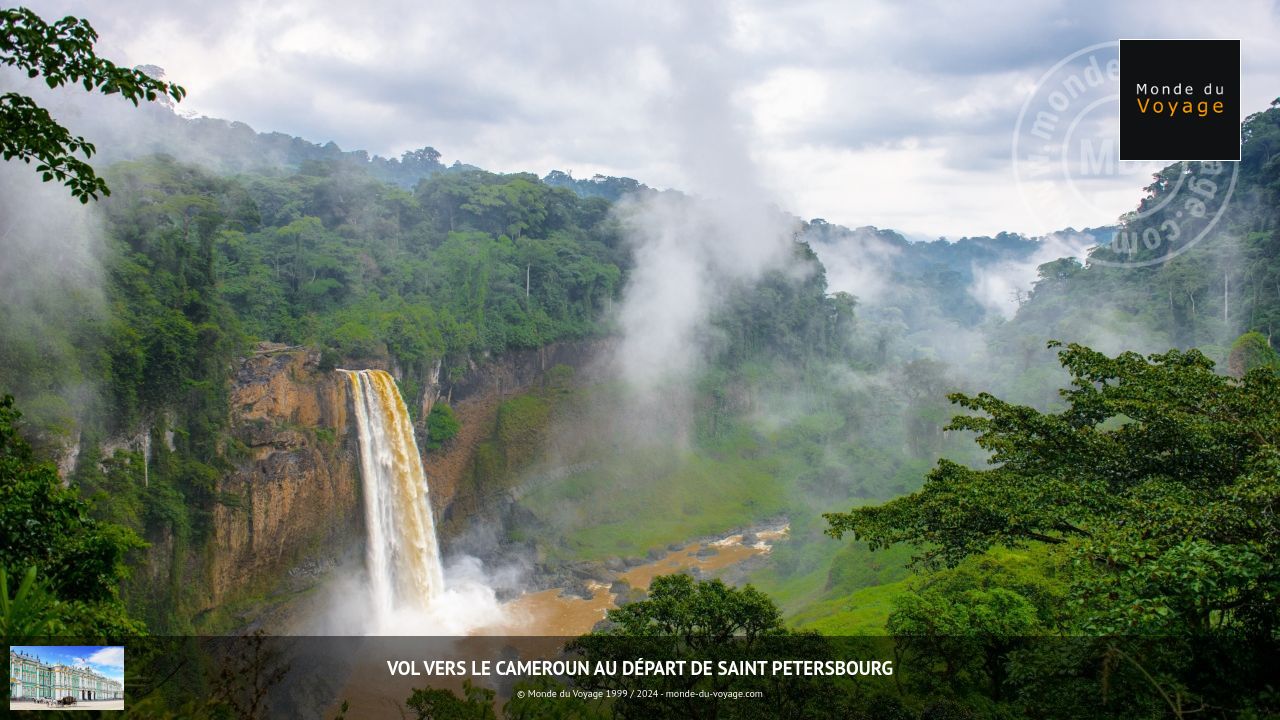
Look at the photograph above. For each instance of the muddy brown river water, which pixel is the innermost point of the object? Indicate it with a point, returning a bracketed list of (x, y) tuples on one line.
[(552, 613)]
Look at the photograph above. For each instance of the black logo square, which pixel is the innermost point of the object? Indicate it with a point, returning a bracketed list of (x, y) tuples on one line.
[(1179, 100)]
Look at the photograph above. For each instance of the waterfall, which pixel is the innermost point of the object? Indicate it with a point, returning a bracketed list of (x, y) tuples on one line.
[(403, 557)]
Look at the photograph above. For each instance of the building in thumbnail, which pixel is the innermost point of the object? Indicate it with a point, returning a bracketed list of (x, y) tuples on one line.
[(30, 678)]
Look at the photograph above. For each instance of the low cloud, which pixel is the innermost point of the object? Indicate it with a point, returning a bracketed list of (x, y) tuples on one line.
[(1000, 286), (859, 263)]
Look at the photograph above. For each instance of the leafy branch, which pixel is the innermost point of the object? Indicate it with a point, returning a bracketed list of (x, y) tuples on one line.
[(62, 53)]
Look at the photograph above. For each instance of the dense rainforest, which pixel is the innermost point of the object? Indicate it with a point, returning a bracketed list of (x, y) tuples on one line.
[(1109, 496)]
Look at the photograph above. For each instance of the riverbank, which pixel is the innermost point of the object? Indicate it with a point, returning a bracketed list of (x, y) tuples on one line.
[(576, 609)]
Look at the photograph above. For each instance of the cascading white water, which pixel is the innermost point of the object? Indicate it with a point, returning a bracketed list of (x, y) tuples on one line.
[(403, 556)]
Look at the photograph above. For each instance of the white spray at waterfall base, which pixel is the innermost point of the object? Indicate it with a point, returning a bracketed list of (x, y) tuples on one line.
[(407, 590)]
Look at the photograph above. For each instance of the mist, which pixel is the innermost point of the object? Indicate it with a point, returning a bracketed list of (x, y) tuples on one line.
[(861, 264), (474, 600), (1001, 286), (51, 289), (688, 250)]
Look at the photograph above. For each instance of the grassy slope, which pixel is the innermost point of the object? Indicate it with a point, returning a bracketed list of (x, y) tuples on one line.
[(636, 500), (623, 501), (836, 586)]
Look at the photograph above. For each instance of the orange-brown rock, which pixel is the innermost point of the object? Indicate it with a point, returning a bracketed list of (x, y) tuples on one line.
[(295, 499)]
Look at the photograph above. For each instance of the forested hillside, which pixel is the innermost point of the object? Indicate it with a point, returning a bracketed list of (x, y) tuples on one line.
[(124, 376), (201, 265), (1206, 297)]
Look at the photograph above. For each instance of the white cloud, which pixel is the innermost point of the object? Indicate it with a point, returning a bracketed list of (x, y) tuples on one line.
[(891, 114), (109, 657)]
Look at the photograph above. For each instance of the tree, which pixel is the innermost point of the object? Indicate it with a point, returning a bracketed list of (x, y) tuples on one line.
[(1156, 490), (958, 626), (249, 667), (1251, 350), (476, 703), (1152, 499), (62, 53), (924, 384), (686, 620), (442, 425), (703, 614), (47, 529), (1156, 478)]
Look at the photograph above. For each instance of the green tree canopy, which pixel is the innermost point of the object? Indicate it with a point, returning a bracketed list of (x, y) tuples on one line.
[(430, 703), (686, 619), (1155, 480), (47, 527)]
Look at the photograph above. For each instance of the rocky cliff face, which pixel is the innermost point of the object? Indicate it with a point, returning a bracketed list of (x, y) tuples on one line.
[(295, 508)]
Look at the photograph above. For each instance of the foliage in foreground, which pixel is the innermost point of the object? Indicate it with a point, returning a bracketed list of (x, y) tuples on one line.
[(60, 568), (61, 53), (1150, 499), (1155, 480)]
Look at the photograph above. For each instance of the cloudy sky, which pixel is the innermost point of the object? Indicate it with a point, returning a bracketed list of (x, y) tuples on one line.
[(894, 114)]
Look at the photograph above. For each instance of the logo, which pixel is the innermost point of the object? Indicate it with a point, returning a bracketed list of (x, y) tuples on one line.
[(1180, 100)]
